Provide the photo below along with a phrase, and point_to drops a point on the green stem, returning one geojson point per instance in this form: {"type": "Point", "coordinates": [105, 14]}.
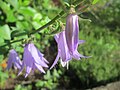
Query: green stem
{"type": "Point", "coordinates": [11, 42]}
{"type": "Point", "coordinates": [53, 20]}
{"type": "Point", "coordinates": [77, 2]}
{"type": "Point", "coordinates": [49, 23]}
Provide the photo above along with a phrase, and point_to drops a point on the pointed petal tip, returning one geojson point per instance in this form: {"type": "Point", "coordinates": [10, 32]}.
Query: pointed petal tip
{"type": "Point", "coordinates": [88, 56]}
{"type": "Point", "coordinates": [26, 75]}
{"type": "Point", "coordinates": [44, 72]}
{"type": "Point", "coordinates": [19, 73]}
{"type": "Point", "coordinates": [51, 67]}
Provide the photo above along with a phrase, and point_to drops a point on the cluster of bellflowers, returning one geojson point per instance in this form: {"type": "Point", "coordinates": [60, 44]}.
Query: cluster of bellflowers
{"type": "Point", "coordinates": [67, 43]}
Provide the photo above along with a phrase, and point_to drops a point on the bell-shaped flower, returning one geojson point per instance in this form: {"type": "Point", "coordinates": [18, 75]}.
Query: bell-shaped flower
{"type": "Point", "coordinates": [63, 51]}
{"type": "Point", "coordinates": [72, 34]}
{"type": "Point", "coordinates": [13, 59]}
{"type": "Point", "coordinates": [33, 59]}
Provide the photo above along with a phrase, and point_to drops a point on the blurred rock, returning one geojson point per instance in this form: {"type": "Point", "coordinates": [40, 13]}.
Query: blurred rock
{"type": "Point", "coordinates": [111, 86]}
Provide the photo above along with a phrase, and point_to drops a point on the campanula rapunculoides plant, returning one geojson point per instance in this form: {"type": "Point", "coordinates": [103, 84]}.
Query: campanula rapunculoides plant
{"type": "Point", "coordinates": [68, 41]}
{"type": "Point", "coordinates": [13, 59]}
{"type": "Point", "coordinates": [33, 59]}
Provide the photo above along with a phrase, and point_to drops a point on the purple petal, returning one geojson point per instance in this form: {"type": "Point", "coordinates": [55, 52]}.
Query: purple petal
{"type": "Point", "coordinates": [55, 62]}
{"type": "Point", "coordinates": [81, 41]}
{"type": "Point", "coordinates": [18, 65]}
{"type": "Point", "coordinates": [9, 64]}
{"type": "Point", "coordinates": [39, 68]}
{"type": "Point", "coordinates": [78, 56]}
{"type": "Point", "coordinates": [17, 62]}
{"type": "Point", "coordinates": [27, 58]}
{"type": "Point", "coordinates": [13, 58]}
{"type": "Point", "coordinates": [39, 53]}
{"type": "Point", "coordinates": [75, 31]}
{"type": "Point", "coordinates": [56, 37]}
{"type": "Point", "coordinates": [41, 57]}
{"type": "Point", "coordinates": [63, 63]}
{"type": "Point", "coordinates": [22, 67]}
{"type": "Point", "coordinates": [69, 32]}
{"type": "Point", "coordinates": [45, 60]}
{"type": "Point", "coordinates": [28, 70]}
{"type": "Point", "coordinates": [63, 48]}
{"type": "Point", "coordinates": [36, 57]}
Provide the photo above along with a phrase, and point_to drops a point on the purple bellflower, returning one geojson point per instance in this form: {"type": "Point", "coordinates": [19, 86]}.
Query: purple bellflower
{"type": "Point", "coordinates": [72, 33]}
{"type": "Point", "coordinates": [13, 59]}
{"type": "Point", "coordinates": [33, 59]}
{"type": "Point", "coordinates": [63, 51]}
{"type": "Point", "coordinates": [68, 41]}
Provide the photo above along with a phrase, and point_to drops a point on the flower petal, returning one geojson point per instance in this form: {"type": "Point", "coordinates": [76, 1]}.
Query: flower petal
{"type": "Point", "coordinates": [28, 70]}
{"type": "Point", "coordinates": [41, 56]}
{"type": "Point", "coordinates": [81, 41]}
{"type": "Point", "coordinates": [34, 53]}
{"type": "Point", "coordinates": [78, 56]}
{"type": "Point", "coordinates": [56, 37]}
{"type": "Point", "coordinates": [55, 62]}
{"type": "Point", "coordinates": [45, 60]}
{"type": "Point", "coordinates": [69, 32]}
{"type": "Point", "coordinates": [63, 47]}
{"type": "Point", "coordinates": [63, 63]}
{"type": "Point", "coordinates": [75, 31]}
{"type": "Point", "coordinates": [39, 68]}
{"type": "Point", "coordinates": [13, 58]}
{"type": "Point", "coordinates": [9, 64]}
{"type": "Point", "coordinates": [22, 67]}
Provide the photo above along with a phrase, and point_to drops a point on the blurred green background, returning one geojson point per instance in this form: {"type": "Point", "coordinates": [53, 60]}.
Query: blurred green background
{"type": "Point", "coordinates": [102, 37]}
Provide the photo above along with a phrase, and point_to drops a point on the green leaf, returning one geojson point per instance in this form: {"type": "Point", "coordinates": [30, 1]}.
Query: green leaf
{"type": "Point", "coordinates": [5, 7]}
{"type": "Point", "coordinates": [24, 25]}
{"type": "Point", "coordinates": [5, 32]}
{"type": "Point", "coordinates": [95, 1]}
{"type": "Point", "coordinates": [37, 17]}
{"type": "Point", "coordinates": [14, 3]}
{"type": "Point", "coordinates": [27, 11]}
{"type": "Point", "coordinates": [1, 58]}
{"type": "Point", "coordinates": [24, 2]}
{"type": "Point", "coordinates": [47, 76]}
{"type": "Point", "coordinates": [1, 41]}
{"type": "Point", "coordinates": [10, 16]}
{"type": "Point", "coordinates": [36, 24]}
{"type": "Point", "coordinates": [8, 11]}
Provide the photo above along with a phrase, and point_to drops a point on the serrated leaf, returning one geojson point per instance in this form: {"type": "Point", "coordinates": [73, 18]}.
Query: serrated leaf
{"type": "Point", "coordinates": [5, 32]}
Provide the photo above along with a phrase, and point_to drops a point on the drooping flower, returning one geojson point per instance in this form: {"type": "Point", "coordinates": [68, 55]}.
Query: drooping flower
{"type": "Point", "coordinates": [63, 51]}
{"type": "Point", "coordinates": [13, 59]}
{"type": "Point", "coordinates": [72, 33]}
{"type": "Point", "coordinates": [33, 59]}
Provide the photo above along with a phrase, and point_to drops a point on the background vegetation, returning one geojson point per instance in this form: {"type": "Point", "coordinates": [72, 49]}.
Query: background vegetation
{"type": "Point", "coordinates": [20, 17]}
